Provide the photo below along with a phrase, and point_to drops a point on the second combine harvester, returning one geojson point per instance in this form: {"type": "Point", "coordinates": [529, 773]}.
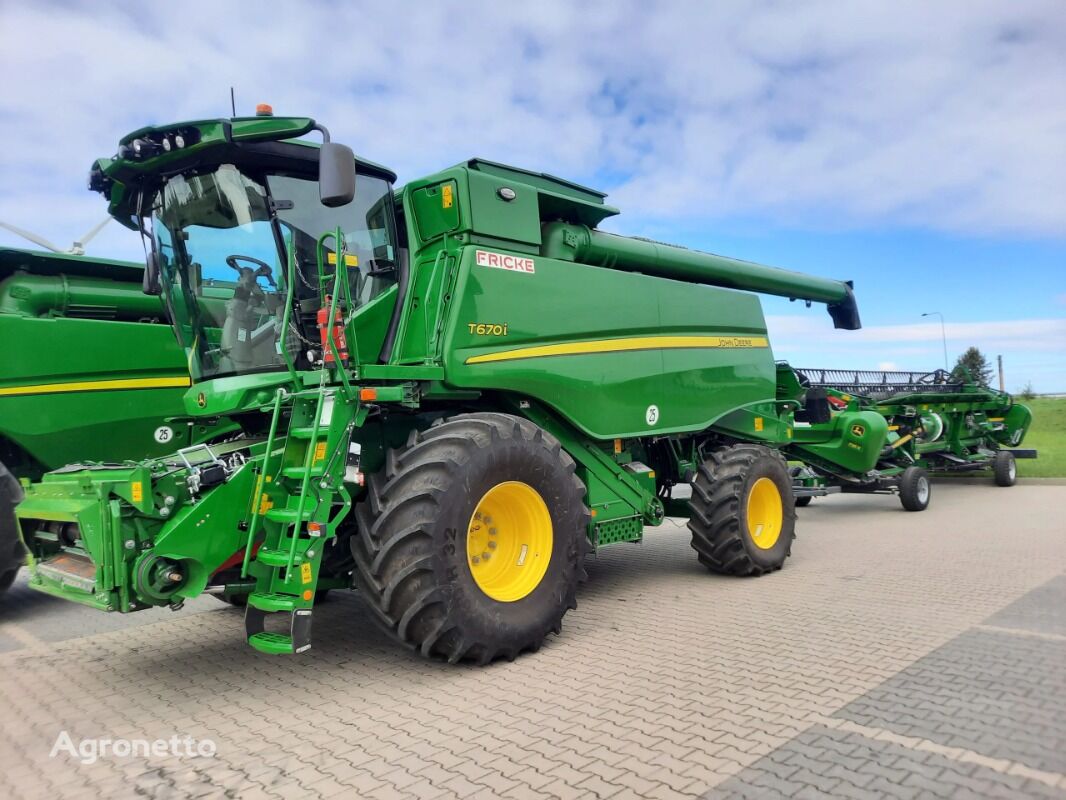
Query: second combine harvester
{"type": "Point", "coordinates": [448, 395]}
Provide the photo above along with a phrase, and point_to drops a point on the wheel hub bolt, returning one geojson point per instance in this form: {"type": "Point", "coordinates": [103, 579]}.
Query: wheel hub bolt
{"type": "Point", "coordinates": [492, 531]}
{"type": "Point", "coordinates": [476, 560]}
{"type": "Point", "coordinates": [485, 556]}
{"type": "Point", "coordinates": [492, 545]}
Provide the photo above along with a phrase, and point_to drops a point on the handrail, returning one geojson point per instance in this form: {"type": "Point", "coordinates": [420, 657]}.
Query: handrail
{"type": "Point", "coordinates": [309, 461]}
{"type": "Point", "coordinates": [257, 498]}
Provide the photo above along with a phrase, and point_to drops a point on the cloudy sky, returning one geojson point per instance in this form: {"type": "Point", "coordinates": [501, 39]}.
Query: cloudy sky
{"type": "Point", "coordinates": [916, 148]}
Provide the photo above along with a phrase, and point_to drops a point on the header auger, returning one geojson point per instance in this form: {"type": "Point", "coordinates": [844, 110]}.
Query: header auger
{"type": "Point", "coordinates": [447, 393]}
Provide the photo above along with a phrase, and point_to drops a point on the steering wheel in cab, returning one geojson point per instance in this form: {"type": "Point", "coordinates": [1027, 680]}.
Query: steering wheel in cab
{"type": "Point", "coordinates": [264, 270]}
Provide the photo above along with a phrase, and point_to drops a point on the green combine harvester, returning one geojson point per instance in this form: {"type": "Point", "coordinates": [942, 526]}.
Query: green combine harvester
{"type": "Point", "coordinates": [90, 371]}
{"type": "Point", "coordinates": [929, 422]}
{"type": "Point", "coordinates": [448, 394]}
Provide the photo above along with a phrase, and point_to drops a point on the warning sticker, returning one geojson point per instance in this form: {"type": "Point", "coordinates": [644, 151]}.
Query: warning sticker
{"type": "Point", "coordinates": [485, 258]}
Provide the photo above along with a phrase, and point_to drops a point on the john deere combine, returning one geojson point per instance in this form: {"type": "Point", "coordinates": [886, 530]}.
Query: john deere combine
{"type": "Point", "coordinates": [448, 394]}
{"type": "Point", "coordinates": [924, 422]}
{"type": "Point", "coordinates": [89, 370]}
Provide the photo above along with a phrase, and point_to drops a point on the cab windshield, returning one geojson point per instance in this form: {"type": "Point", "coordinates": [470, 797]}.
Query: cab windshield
{"type": "Point", "coordinates": [223, 238]}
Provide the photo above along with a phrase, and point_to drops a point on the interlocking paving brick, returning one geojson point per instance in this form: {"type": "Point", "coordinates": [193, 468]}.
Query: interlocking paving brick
{"type": "Point", "coordinates": [911, 774]}
{"type": "Point", "coordinates": [997, 694]}
{"type": "Point", "coordinates": [665, 682]}
{"type": "Point", "coordinates": [1042, 610]}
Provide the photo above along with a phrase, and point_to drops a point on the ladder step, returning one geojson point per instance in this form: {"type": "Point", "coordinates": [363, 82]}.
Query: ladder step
{"type": "Point", "coordinates": [275, 644]}
{"type": "Point", "coordinates": [276, 557]}
{"type": "Point", "coordinates": [272, 602]}
{"type": "Point", "coordinates": [288, 516]}
{"type": "Point", "coordinates": [297, 473]}
{"type": "Point", "coordinates": [305, 433]}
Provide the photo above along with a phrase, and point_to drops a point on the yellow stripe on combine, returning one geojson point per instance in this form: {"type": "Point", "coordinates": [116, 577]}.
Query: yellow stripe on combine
{"type": "Point", "coordinates": [98, 386]}
{"type": "Point", "coordinates": [621, 346]}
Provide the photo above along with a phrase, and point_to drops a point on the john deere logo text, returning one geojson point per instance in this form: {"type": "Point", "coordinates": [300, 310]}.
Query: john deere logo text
{"type": "Point", "coordinates": [500, 261]}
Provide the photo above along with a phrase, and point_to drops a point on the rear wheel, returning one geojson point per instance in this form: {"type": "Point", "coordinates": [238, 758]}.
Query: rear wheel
{"type": "Point", "coordinates": [743, 512]}
{"type": "Point", "coordinates": [914, 489]}
{"type": "Point", "coordinates": [1004, 468]}
{"type": "Point", "coordinates": [803, 501]}
{"type": "Point", "coordinates": [471, 541]}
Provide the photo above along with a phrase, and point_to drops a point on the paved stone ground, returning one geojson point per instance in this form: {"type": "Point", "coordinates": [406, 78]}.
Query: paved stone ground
{"type": "Point", "coordinates": [896, 655]}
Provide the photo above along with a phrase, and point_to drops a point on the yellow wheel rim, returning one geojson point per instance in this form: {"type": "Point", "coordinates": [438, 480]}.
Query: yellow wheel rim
{"type": "Point", "coordinates": [765, 513]}
{"type": "Point", "coordinates": [509, 541]}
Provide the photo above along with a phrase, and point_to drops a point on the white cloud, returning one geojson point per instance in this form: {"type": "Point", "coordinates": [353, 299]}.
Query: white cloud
{"type": "Point", "coordinates": [1031, 349]}
{"type": "Point", "coordinates": [949, 116]}
{"type": "Point", "coordinates": [1026, 334]}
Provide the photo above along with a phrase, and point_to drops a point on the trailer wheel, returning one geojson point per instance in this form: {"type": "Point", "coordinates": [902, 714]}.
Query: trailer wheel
{"type": "Point", "coordinates": [1005, 468]}
{"type": "Point", "coordinates": [471, 541]}
{"type": "Point", "coordinates": [914, 489]}
{"type": "Point", "coordinates": [801, 502]}
{"type": "Point", "coordinates": [743, 512]}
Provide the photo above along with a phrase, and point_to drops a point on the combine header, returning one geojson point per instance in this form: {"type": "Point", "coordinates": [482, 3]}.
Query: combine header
{"type": "Point", "coordinates": [448, 394]}
{"type": "Point", "coordinates": [930, 422]}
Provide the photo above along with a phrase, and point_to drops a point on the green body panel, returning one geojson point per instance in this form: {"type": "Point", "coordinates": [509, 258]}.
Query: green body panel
{"type": "Point", "coordinates": [607, 394]}
{"type": "Point", "coordinates": [851, 442]}
{"type": "Point", "coordinates": [71, 327]}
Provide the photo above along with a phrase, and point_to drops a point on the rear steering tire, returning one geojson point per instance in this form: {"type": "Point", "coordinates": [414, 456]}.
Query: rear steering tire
{"type": "Point", "coordinates": [1004, 468]}
{"type": "Point", "coordinates": [743, 512]}
{"type": "Point", "coordinates": [470, 543]}
{"type": "Point", "coordinates": [915, 489]}
{"type": "Point", "coordinates": [803, 501]}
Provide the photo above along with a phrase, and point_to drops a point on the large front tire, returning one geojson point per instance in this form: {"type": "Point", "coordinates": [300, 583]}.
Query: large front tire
{"type": "Point", "coordinates": [471, 541]}
{"type": "Point", "coordinates": [743, 511]}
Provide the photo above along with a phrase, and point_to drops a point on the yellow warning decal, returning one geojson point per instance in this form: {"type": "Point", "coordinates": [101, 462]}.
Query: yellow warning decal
{"type": "Point", "coordinates": [349, 260]}
{"type": "Point", "coordinates": [758, 423]}
{"type": "Point", "coordinates": [446, 196]}
{"type": "Point", "coordinates": [320, 451]}
{"type": "Point", "coordinates": [137, 491]}
{"type": "Point", "coordinates": [305, 573]}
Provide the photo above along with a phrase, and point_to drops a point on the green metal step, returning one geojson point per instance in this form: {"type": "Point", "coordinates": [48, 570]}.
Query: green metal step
{"type": "Point", "coordinates": [275, 644]}
{"type": "Point", "coordinates": [272, 602]}
{"type": "Point", "coordinates": [297, 473]}
{"type": "Point", "coordinates": [288, 516]}
{"type": "Point", "coordinates": [276, 557]}
{"type": "Point", "coordinates": [305, 433]}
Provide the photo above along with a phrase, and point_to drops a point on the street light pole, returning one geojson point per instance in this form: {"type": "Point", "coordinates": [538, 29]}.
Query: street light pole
{"type": "Point", "coordinates": [943, 335]}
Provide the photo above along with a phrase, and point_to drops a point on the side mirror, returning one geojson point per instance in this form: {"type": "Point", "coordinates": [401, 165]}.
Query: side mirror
{"type": "Point", "coordinates": [336, 174]}
{"type": "Point", "coordinates": [150, 280]}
